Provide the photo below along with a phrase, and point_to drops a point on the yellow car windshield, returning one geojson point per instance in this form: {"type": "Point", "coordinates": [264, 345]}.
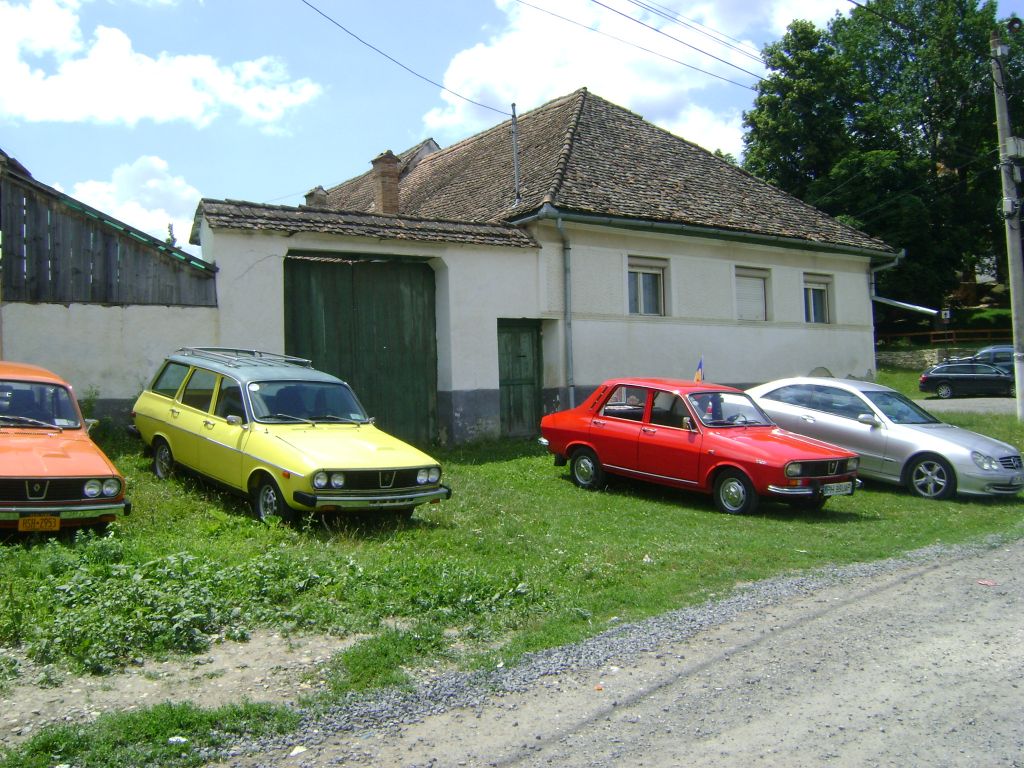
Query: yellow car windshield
{"type": "Point", "coordinates": [309, 401]}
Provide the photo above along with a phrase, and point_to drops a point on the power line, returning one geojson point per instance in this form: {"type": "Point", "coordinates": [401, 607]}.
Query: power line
{"type": "Point", "coordinates": [393, 60]}
{"type": "Point", "coordinates": [633, 45]}
{"type": "Point", "coordinates": [669, 15]}
{"type": "Point", "coordinates": [676, 39]}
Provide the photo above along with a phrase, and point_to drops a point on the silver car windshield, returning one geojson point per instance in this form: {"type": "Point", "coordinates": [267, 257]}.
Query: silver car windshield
{"type": "Point", "coordinates": [900, 409]}
{"type": "Point", "coordinates": [305, 401]}
{"type": "Point", "coordinates": [727, 409]}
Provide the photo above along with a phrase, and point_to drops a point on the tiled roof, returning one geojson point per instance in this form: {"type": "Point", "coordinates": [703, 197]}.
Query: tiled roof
{"type": "Point", "coordinates": [585, 155]}
{"type": "Point", "coordinates": [236, 214]}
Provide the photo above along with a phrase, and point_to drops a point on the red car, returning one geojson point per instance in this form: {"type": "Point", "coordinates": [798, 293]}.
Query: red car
{"type": "Point", "coordinates": [698, 436]}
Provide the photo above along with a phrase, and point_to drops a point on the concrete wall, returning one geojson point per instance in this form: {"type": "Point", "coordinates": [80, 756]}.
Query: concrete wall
{"type": "Point", "coordinates": [107, 353]}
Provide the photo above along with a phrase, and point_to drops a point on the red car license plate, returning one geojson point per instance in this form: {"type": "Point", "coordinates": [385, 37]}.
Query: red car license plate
{"type": "Point", "coordinates": [34, 523]}
{"type": "Point", "coordinates": [837, 489]}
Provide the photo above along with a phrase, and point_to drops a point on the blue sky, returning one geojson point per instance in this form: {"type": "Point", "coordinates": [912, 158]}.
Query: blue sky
{"type": "Point", "coordinates": [141, 107]}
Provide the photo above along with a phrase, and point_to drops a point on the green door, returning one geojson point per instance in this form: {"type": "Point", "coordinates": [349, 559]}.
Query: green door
{"type": "Point", "coordinates": [371, 323]}
{"type": "Point", "coordinates": [519, 374]}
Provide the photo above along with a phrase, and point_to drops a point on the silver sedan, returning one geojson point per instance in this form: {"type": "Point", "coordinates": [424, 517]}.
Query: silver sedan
{"type": "Point", "coordinates": [898, 441]}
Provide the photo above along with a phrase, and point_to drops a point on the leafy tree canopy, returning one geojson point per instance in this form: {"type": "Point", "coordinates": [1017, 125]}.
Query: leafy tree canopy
{"type": "Point", "coordinates": [886, 119]}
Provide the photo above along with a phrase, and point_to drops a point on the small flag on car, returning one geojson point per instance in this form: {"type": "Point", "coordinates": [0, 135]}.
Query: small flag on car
{"type": "Point", "coordinates": [699, 375]}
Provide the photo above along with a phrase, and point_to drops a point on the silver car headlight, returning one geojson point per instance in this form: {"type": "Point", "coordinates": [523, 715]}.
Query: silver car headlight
{"type": "Point", "coordinates": [337, 480]}
{"type": "Point", "coordinates": [93, 488]}
{"type": "Point", "coordinates": [852, 464]}
{"type": "Point", "coordinates": [794, 469]}
{"type": "Point", "coordinates": [111, 486]}
{"type": "Point", "coordinates": [320, 480]}
{"type": "Point", "coordinates": [984, 462]}
{"type": "Point", "coordinates": [435, 474]}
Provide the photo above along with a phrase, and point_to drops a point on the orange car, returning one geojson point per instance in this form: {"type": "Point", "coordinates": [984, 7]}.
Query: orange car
{"type": "Point", "coordinates": [52, 475]}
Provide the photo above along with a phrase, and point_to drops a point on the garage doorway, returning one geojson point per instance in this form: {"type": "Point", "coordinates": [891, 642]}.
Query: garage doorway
{"type": "Point", "coordinates": [369, 321]}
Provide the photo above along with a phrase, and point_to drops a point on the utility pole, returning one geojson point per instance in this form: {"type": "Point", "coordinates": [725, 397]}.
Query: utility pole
{"type": "Point", "coordinates": [1010, 149]}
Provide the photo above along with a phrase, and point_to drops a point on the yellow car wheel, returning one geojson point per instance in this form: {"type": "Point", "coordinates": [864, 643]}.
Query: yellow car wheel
{"type": "Point", "coordinates": [268, 501]}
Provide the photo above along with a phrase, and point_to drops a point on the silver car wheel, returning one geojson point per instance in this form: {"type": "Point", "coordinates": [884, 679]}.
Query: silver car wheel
{"type": "Point", "coordinates": [945, 391]}
{"type": "Point", "coordinates": [931, 478]}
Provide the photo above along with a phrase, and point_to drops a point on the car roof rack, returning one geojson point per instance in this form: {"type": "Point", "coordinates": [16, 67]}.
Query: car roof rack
{"type": "Point", "coordinates": [237, 357]}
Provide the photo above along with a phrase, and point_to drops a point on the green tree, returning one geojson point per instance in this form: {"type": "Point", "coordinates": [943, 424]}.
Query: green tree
{"type": "Point", "coordinates": [886, 119]}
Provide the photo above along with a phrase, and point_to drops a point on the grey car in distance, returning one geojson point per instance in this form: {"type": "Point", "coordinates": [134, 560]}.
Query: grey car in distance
{"type": "Point", "coordinates": [898, 441]}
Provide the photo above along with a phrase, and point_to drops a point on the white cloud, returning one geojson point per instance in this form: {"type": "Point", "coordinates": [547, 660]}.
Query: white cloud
{"type": "Point", "coordinates": [52, 73]}
{"type": "Point", "coordinates": [712, 130]}
{"type": "Point", "coordinates": [674, 83]}
{"type": "Point", "coordinates": [145, 195]}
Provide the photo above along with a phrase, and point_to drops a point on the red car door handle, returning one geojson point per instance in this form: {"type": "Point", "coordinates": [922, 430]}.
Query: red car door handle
{"type": "Point", "coordinates": [648, 430]}
{"type": "Point", "coordinates": [597, 423]}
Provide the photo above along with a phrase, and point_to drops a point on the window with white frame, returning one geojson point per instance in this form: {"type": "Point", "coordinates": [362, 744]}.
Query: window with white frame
{"type": "Point", "coordinates": [817, 299]}
{"type": "Point", "coordinates": [646, 287]}
{"type": "Point", "coordinates": [752, 294]}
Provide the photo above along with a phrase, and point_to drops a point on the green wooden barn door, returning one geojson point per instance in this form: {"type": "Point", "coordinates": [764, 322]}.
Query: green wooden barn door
{"type": "Point", "coordinates": [519, 373]}
{"type": "Point", "coordinates": [372, 324]}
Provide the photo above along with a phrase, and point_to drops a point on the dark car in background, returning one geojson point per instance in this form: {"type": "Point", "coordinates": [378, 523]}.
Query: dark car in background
{"type": "Point", "coordinates": [998, 355]}
{"type": "Point", "coordinates": [962, 377]}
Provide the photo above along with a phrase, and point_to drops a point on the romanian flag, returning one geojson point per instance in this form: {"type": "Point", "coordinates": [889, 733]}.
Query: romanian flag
{"type": "Point", "coordinates": [699, 375]}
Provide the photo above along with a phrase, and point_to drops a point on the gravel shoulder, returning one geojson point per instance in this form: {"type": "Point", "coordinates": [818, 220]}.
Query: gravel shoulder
{"type": "Point", "coordinates": [917, 661]}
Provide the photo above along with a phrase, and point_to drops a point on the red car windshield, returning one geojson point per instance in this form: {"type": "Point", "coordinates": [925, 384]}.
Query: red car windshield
{"type": "Point", "coordinates": [727, 409]}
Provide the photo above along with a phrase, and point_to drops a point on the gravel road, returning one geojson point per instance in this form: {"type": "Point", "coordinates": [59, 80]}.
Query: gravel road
{"type": "Point", "coordinates": [909, 662]}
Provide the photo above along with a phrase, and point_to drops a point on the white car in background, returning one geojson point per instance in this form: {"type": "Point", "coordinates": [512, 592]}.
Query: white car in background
{"type": "Point", "coordinates": [898, 441]}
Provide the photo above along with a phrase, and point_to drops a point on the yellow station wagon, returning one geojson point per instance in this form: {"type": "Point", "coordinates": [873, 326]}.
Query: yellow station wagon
{"type": "Point", "coordinates": [290, 437]}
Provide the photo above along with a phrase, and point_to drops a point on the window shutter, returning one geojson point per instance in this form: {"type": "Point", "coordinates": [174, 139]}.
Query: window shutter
{"type": "Point", "coordinates": [750, 303]}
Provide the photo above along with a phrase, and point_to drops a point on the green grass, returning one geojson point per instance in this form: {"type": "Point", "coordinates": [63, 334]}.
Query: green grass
{"type": "Point", "coordinates": [518, 560]}
{"type": "Point", "coordinates": [903, 380]}
{"type": "Point", "coordinates": [166, 735]}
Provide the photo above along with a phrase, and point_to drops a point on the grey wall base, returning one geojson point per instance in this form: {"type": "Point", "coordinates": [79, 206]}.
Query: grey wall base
{"type": "Point", "coordinates": [468, 415]}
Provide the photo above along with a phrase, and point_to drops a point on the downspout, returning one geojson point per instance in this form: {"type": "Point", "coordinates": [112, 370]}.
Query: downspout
{"type": "Point", "coordinates": [894, 302]}
{"type": "Point", "coordinates": [570, 382]}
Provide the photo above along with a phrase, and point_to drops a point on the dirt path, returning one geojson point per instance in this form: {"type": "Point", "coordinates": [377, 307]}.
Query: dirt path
{"type": "Point", "coordinates": [268, 668]}
{"type": "Point", "coordinates": [921, 666]}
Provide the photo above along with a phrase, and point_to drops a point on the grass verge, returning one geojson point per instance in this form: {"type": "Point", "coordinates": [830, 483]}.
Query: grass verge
{"type": "Point", "coordinates": [519, 560]}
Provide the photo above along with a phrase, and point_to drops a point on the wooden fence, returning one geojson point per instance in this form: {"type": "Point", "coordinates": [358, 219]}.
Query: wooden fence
{"type": "Point", "coordinates": [950, 336]}
{"type": "Point", "coordinates": [54, 249]}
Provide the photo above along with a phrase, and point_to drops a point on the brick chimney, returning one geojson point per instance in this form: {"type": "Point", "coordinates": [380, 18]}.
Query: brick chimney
{"type": "Point", "coordinates": [317, 197]}
{"type": "Point", "coordinates": [385, 183]}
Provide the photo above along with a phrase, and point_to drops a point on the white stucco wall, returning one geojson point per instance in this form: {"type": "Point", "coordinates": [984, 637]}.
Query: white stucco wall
{"type": "Point", "coordinates": [110, 351]}
{"type": "Point", "coordinates": [475, 286]}
{"type": "Point", "coordinates": [700, 313]}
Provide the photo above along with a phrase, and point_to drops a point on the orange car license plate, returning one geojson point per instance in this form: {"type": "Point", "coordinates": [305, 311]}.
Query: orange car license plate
{"type": "Point", "coordinates": [34, 523]}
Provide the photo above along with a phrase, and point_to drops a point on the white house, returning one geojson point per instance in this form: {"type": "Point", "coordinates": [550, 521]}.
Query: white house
{"type": "Point", "coordinates": [463, 294]}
